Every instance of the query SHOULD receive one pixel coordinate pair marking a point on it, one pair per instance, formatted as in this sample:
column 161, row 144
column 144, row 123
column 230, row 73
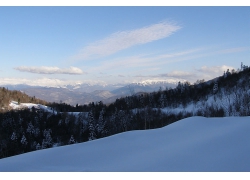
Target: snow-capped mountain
column 84, row 93
column 150, row 82
column 145, row 86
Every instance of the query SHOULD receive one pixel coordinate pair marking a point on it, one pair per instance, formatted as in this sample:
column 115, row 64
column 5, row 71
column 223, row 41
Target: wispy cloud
column 125, row 39
column 234, row 50
column 144, row 61
column 178, row 74
column 50, row 70
column 204, row 72
column 214, row 69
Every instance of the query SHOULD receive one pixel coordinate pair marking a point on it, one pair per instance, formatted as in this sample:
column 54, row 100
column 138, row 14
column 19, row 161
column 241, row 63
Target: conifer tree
column 72, row 140
column 30, row 128
column 38, row 146
column 92, row 134
column 162, row 100
column 13, row 136
column 14, row 147
column 24, row 140
column 47, row 141
column 122, row 120
column 215, row 88
column 101, row 126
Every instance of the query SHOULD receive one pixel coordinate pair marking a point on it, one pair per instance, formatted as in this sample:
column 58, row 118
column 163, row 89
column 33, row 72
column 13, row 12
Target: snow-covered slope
column 16, row 106
column 192, row 144
column 233, row 104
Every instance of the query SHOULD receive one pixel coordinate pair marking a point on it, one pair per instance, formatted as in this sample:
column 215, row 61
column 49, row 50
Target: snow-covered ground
column 192, row 144
column 190, row 108
column 16, row 106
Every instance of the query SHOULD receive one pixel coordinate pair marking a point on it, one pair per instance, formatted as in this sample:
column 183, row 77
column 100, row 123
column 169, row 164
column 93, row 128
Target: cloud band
column 50, row 70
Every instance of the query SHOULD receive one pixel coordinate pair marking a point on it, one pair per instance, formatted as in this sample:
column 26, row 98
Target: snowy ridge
column 156, row 81
column 192, row 144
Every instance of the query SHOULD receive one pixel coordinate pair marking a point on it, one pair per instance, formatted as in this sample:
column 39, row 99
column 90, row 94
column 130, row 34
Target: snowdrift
column 192, row 144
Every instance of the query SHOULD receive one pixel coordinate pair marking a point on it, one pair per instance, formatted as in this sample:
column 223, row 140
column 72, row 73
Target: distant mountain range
column 85, row 93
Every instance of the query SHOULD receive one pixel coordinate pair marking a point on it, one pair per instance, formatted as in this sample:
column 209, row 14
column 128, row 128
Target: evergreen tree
column 36, row 132
column 24, row 140
column 92, row 134
column 141, row 100
column 151, row 100
column 122, row 120
column 47, row 141
column 215, row 88
column 101, row 126
column 13, row 147
column 163, row 100
column 13, row 136
column 228, row 72
column 30, row 128
column 72, row 140
column 38, row 146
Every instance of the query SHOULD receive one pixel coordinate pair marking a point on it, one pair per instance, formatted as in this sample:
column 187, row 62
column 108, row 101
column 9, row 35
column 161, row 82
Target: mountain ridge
column 84, row 93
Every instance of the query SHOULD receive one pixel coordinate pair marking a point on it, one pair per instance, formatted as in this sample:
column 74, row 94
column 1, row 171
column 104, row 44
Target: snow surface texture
column 192, row 144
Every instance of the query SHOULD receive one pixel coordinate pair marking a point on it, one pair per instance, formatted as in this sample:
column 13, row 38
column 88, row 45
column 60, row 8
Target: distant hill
column 6, row 96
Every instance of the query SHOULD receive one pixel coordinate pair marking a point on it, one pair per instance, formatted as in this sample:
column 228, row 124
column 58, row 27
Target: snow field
column 189, row 145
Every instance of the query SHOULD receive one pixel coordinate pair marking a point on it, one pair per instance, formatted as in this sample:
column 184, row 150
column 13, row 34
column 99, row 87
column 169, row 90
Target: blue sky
column 48, row 45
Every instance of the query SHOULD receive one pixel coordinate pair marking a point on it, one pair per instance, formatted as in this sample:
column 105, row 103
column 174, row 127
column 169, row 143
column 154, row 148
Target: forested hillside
column 33, row 129
column 6, row 96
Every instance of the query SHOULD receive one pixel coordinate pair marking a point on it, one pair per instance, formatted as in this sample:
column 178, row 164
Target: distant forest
column 33, row 129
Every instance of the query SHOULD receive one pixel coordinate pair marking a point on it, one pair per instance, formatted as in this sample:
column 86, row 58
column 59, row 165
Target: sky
column 121, row 44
